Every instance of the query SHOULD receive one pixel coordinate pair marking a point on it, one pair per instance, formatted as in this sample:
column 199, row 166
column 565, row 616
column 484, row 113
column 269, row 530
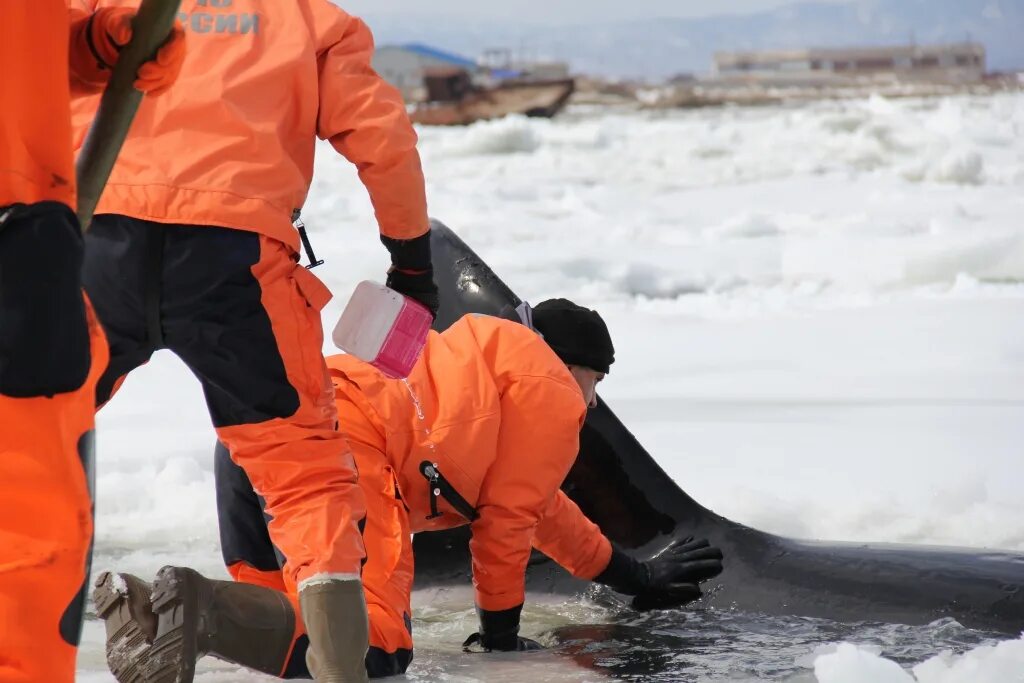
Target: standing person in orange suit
column 483, row 433
column 193, row 250
column 52, row 350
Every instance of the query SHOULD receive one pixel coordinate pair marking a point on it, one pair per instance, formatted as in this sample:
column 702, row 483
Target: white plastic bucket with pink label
column 383, row 328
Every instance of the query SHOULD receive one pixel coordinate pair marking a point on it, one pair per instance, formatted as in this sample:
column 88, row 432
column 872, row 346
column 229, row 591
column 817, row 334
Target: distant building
column 542, row 71
column 502, row 65
column 954, row 63
column 682, row 79
column 404, row 66
column 407, row 66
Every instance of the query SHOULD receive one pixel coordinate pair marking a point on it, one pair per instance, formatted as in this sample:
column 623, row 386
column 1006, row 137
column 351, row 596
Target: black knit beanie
column 577, row 335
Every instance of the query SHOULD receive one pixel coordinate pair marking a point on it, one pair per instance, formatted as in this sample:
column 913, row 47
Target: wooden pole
column 150, row 28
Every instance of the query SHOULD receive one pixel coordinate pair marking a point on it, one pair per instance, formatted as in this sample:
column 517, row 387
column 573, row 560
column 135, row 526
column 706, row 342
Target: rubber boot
column 335, row 616
column 122, row 601
column 236, row 622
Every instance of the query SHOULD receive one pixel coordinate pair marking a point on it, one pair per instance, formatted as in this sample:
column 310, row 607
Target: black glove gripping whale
column 669, row 579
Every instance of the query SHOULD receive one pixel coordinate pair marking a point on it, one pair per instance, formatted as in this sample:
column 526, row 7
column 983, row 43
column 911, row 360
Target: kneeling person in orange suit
column 483, row 433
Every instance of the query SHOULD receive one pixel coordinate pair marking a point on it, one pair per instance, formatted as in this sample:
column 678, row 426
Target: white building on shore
column 952, row 63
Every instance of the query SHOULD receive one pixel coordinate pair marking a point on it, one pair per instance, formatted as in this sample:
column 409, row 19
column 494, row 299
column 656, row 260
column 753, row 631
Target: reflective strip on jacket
column 500, row 415
column 231, row 143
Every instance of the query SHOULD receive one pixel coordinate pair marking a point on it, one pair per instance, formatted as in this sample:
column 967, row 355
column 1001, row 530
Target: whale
column 619, row 485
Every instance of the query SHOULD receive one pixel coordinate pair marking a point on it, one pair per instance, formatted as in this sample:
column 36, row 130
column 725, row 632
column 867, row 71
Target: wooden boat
column 454, row 100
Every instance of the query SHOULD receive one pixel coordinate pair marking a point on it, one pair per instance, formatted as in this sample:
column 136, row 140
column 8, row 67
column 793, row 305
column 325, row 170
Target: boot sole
column 127, row 647
column 173, row 656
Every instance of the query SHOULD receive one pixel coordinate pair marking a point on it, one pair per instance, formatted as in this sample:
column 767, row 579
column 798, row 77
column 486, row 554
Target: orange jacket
column 36, row 161
column 231, row 143
column 500, row 415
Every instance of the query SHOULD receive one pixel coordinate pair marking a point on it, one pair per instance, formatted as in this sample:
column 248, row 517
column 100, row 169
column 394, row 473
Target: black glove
column 500, row 631
column 411, row 272
column 689, row 561
column 669, row 579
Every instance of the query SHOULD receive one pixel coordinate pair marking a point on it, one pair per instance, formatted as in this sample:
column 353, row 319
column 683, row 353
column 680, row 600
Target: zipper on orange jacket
column 439, row 486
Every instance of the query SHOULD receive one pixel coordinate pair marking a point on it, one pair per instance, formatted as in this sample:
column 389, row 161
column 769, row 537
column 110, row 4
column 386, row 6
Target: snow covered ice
column 819, row 320
column 848, row 663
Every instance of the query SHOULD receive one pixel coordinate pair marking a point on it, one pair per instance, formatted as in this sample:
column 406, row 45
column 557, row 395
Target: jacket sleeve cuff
column 85, row 72
column 502, row 623
column 602, row 558
column 411, row 254
column 624, row 574
column 501, row 601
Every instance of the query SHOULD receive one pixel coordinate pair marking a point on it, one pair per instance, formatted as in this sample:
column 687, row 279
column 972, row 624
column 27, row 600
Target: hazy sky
column 561, row 10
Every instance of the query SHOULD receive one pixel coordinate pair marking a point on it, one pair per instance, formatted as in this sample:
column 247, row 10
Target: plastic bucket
column 383, row 328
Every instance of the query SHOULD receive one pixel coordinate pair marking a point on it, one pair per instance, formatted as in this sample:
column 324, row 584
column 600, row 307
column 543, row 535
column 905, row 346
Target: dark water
column 599, row 639
column 732, row 646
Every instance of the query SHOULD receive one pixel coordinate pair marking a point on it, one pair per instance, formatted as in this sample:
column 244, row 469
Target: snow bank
column 860, row 197
column 510, row 135
column 1000, row 663
column 849, row 663
column 853, row 664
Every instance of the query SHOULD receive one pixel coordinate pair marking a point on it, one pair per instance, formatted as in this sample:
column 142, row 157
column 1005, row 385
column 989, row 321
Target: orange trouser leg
column 387, row 535
column 45, row 526
column 300, row 464
column 244, row 316
column 387, row 573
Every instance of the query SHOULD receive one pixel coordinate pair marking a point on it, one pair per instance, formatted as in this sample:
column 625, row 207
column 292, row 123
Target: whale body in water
column 617, row 483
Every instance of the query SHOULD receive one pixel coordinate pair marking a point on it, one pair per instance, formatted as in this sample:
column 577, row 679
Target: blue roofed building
column 405, row 65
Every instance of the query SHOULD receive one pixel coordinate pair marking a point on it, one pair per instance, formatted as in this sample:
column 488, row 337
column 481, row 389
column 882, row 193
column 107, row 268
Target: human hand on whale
column 670, row 579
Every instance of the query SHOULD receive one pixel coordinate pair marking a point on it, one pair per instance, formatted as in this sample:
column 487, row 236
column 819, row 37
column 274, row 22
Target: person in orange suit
column 193, row 249
column 482, row 433
column 52, row 350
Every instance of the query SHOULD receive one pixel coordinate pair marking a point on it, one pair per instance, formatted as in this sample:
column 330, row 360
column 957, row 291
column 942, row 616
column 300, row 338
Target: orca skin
column 619, row 486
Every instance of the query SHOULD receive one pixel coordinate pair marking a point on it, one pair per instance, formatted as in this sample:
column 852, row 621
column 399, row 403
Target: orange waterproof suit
column 193, row 248
column 52, row 350
column 46, row 525
column 232, row 143
column 495, row 412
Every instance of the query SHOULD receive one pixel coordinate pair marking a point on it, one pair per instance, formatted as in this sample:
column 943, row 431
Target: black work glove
column 500, row 631
column 411, row 272
column 669, row 579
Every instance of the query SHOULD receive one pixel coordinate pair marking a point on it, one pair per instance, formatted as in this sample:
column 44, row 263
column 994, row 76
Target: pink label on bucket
column 383, row 328
column 405, row 341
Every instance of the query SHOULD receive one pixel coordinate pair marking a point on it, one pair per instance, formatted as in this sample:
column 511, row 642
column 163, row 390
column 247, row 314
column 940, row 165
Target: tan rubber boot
column 335, row 616
column 122, row 601
column 237, row 622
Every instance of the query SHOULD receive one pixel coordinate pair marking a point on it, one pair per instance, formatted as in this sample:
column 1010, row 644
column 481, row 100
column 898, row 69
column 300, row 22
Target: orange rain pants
column 46, row 526
column 244, row 316
column 387, row 573
column 52, row 349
